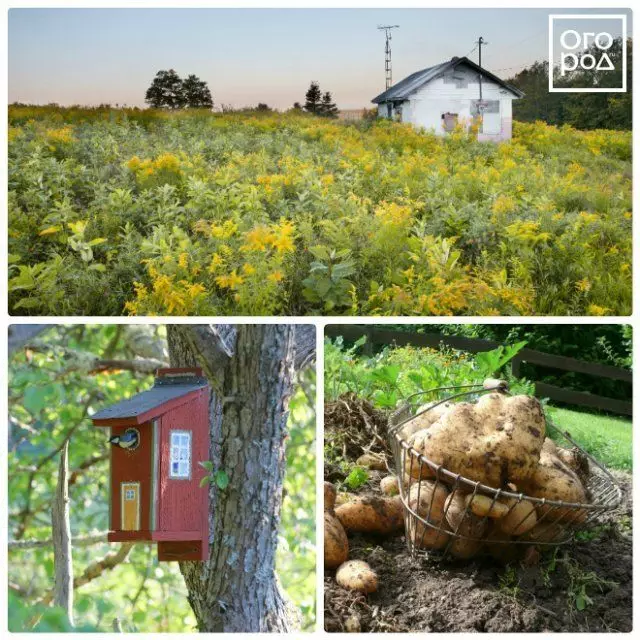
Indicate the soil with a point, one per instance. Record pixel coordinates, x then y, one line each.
432 595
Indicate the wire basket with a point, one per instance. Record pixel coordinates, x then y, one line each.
428 525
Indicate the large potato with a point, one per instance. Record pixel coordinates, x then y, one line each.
357 575
554 480
427 499
432 413
336 545
495 441
371 514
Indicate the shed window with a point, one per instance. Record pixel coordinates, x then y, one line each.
180 459
130 494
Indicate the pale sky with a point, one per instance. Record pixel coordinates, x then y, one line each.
92 56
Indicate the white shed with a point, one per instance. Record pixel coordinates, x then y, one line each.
457 91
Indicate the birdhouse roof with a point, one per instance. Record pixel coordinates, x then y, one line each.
167 393
403 89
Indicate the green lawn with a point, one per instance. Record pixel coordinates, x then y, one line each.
608 439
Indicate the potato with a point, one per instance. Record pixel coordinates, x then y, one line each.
413 467
463 523
389 486
371 514
370 461
357 575
352 624
520 518
462 520
424 420
342 498
329 496
497 440
554 480
485 506
577 461
336 545
497 543
427 499
545 532
464 548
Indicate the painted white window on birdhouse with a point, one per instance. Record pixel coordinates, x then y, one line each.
180 457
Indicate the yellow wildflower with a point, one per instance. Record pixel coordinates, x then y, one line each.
231 281
276 276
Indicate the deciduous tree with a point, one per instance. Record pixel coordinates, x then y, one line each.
166 91
251 371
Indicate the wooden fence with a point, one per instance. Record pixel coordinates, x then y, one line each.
379 336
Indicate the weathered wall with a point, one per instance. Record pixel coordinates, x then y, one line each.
454 92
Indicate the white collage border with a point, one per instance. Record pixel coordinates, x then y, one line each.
319 322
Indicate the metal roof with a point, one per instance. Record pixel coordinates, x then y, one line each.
403 89
163 391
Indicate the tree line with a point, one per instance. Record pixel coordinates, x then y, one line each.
580 110
169 91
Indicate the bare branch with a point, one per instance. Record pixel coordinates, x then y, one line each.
137 365
96 569
79 541
61 529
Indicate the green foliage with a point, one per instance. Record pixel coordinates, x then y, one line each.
194 213
356 478
296 560
580 110
328 283
395 373
491 362
609 344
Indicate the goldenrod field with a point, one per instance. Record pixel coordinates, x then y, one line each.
143 212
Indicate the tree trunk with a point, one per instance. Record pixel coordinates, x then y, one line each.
250 370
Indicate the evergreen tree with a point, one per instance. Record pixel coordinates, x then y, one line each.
196 93
313 98
327 106
165 91
297 106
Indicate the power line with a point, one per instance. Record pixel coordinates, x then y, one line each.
387 52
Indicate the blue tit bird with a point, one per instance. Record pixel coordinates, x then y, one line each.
128 440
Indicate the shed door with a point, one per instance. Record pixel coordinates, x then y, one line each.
130 499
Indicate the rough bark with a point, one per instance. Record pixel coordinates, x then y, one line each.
62 560
250 369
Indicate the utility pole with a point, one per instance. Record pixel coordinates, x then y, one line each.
481 41
387 52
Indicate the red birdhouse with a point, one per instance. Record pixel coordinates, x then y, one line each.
158 437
